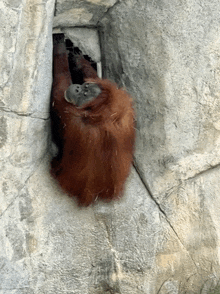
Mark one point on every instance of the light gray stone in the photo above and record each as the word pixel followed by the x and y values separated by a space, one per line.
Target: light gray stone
pixel 163 235
pixel 26 63
pixel 165 54
pixel 87 40
pixel 25 84
pixel 80 13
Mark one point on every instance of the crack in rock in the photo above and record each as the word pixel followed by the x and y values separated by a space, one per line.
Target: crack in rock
pixel 158 292
pixel 162 211
pixel 19 193
pixel 31 115
pixel 201 173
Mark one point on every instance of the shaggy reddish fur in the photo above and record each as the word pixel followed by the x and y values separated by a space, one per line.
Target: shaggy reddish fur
pixel 96 140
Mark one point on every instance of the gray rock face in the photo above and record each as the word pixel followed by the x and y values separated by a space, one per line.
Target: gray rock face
pixel 163 235
pixel 80 13
pixel 25 83
pixel 87 40
pixel 166 55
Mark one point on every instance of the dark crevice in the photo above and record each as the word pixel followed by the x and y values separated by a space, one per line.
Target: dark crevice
pixel 158 292
pixel 160 209
pixel 55 5
pixel 76 73
pixel 148 188
pixel 204 172
pixel 77 78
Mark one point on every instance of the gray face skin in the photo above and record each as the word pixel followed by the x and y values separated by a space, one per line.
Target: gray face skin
pixel 81 94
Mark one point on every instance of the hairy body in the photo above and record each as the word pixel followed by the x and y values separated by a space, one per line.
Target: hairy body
pixel 95 139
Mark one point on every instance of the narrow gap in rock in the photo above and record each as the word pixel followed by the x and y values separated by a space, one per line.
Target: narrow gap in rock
pixel 76 74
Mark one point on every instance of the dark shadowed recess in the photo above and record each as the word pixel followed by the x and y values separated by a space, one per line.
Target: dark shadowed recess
pixel 76 74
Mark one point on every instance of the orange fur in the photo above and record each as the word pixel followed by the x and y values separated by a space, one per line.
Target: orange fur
pixel 97 139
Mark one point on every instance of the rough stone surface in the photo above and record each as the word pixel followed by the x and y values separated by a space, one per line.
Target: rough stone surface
pixel 25 82
pixel 87 40
pixel 71 13
pixel 167 56
pixel 163 236
pixel 25 56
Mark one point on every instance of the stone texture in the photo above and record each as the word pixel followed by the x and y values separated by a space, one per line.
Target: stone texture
pixel 166 55
pixel 26 62
pixel 80 13
pixel 87 40
pixel 163 235
pixel 25 83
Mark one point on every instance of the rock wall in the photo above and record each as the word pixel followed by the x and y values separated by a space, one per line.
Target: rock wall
pixel 163 235
pixel 167 55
